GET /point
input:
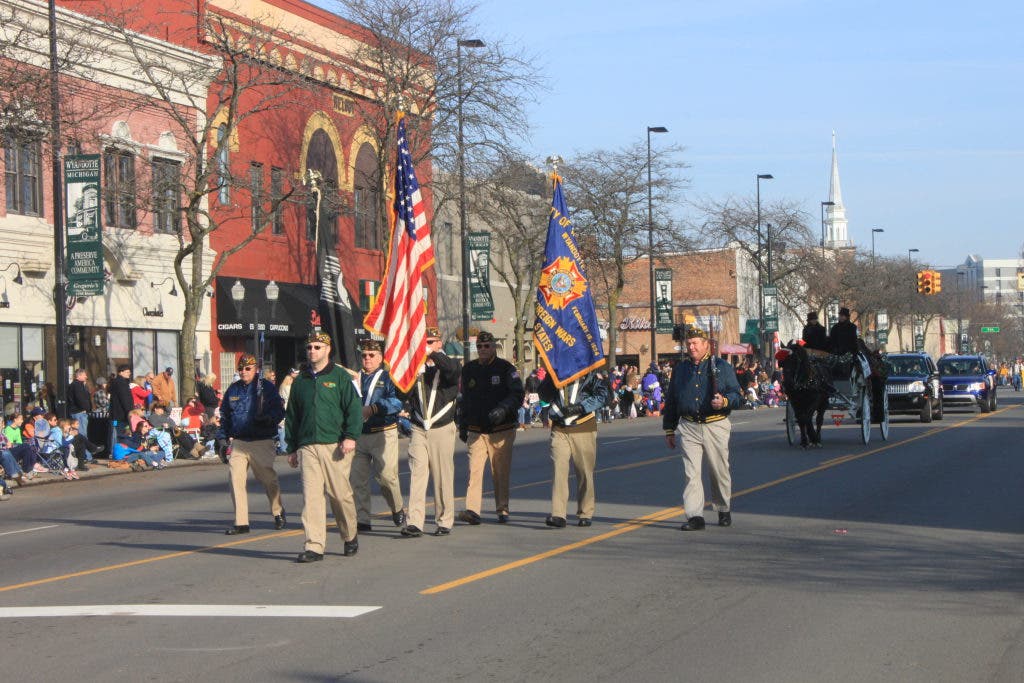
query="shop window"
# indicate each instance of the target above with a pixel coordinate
(10, 386)
(118, 349)
(22, 179)
(226, 373)
(119, 188)
(143, 352)
(166, 351)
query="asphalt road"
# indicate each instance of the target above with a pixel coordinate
(897, 561)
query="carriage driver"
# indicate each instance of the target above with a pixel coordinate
(700, 397)
(814, 334)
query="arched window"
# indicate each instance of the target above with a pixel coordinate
(321, 158)
(366, 199)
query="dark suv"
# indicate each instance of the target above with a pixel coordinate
(914, 386)
(968, 381)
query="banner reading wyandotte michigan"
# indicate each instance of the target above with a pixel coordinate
(84, 229)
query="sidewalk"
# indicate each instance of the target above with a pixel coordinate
(98, 468)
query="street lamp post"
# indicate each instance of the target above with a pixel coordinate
(760, 266)
(823, 205)
(60, 278)
(463, 229)
(910, 259)
(873, 231)
(650, 241)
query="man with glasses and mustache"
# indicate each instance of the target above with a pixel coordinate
(491, 393)
(249, 413)
(432, 446)
(377, 448)
(323, 421)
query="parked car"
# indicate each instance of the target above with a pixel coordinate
(968, 381)
(914, 386)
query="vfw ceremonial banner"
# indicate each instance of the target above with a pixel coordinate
(399, 314)
(566, 333)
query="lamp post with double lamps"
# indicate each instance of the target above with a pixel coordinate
(873, 232)
(910, 258)
(650, 241)
(760, 266)
(471, 43)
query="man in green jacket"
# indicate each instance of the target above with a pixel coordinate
(323, 421)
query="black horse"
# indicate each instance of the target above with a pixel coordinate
(806, 384)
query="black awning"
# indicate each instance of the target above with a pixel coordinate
(292, 315)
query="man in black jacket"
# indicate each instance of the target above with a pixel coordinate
(814, 334)
(842, 338)
(432, 446)
(121, 402)
(79, 402)
(491, 394)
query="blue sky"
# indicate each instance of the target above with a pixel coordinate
(926, 100)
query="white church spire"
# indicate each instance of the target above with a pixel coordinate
(835, 221)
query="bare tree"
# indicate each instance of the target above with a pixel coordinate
(607, 195)
(410, 60)
(513, 201)
(245, 78)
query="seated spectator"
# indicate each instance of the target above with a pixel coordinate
(12, 469)
(82, 448)
(162, 430)
(193, 414)
(138, 450)
(27, 454)
(50, 437)
(208, 435)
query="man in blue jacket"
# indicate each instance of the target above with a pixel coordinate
(377, 448)
(700, 397)
(249, 414)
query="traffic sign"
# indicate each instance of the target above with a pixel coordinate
(919, 342)
(989, 329)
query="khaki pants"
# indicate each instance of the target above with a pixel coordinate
(377, 454)
(579, 444)
(325, 469)
(432, 455)
(709, 440)
(258, 455)
(497, 449)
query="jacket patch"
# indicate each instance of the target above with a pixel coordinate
(495, 380)
(329, 385)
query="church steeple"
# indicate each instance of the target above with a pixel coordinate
(836, 236)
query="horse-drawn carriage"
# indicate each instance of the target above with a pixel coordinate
(849, 386)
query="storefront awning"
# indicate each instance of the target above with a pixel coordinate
(290, 316)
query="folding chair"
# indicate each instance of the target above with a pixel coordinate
(52, 457)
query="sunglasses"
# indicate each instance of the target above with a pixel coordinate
(314, 347)
(483, 346)
(433, 341)
(250, 368)
(369, 355)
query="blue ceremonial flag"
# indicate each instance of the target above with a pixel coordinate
(566, 333)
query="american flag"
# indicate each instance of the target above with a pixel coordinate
(398, 314)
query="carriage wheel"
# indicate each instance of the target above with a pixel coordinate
(883, 422)
(865, 417)
(790, 424)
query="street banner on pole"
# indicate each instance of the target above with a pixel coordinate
(566, 333)
(664, 320)
(481, 303)
(84, 229)
(771, 308)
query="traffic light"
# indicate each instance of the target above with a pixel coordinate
(927, 283)
(936, 282)
(920, 281)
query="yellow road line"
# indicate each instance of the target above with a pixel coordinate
(668, 513)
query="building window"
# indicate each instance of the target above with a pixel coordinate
(119, 175)
(366, 200)
(166, 195)
(276, 194)
(22, 176)
(223, 180)
(256, 194)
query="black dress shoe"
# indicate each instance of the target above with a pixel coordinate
(235, 530)
(469, 517)
(502, 518)
(351, 547)
(362, 526)
(693, 524)
(556, 522)
(584, 521)
(442, 531)
(309, 556)
(280, 520)
(398, 518)
(412, 531)
(724, 519)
